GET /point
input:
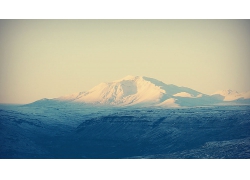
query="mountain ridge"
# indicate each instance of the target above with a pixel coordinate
(146, 91)
(231, 95)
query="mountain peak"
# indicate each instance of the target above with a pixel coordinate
(226, 92)
(231, 95)
(230, 91)
(134, 90)
(145, 91)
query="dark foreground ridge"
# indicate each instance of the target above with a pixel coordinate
(64, 132)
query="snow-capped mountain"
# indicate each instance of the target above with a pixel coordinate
(144, 91)
(231, 95)
(138, 90)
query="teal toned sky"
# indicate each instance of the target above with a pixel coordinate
(50, 58)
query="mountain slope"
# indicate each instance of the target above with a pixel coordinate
(139, 91)
(145, 92)
(231, 95)
(129, 90)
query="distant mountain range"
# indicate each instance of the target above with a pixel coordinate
(140, 91)
(230, 95)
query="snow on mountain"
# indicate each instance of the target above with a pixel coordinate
(145, 91)
(69, 97)
(133, 90)
(169, 103)
(199, 95)
(129, 90)
(231, 95)
(183, 94)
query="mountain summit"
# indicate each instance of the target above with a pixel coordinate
(141, 91)
(130, 90)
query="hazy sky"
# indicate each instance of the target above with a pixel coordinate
(50, 58)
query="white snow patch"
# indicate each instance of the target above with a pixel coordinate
(183, 94)
(199, 95)
(231, 95)
(169, 103)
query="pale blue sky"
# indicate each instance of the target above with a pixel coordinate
(50, 58)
